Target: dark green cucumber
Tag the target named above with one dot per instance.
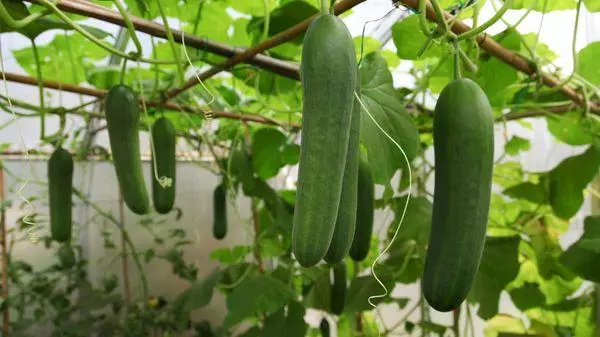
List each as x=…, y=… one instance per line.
x=365, y=207
x=324, y=328
x=60, y=187
x=338, y=288
x=329, y=74
x=163, y=139
x=463, y=134
x=122, y=121
x=346, y=219
x=220, y=212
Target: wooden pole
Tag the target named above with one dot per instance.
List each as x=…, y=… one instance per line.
x=4, y=243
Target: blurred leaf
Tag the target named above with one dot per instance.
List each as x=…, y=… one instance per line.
x=517, y=144
x=282, y=323
x=544, y=5
x=385, y=105
x=363, y=287
x=592, y=5
x=409, y=39
x=230, y=255
x=527, y=296
x=198, y=295
x=256, y=295
x=267, y=144
x=566, y=188
x=536, y=193
x=499, y=266
x=572, y=128
x=588, y=66
x=585, y=252
x=104, y=77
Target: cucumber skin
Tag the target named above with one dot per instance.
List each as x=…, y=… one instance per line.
x=464, y=156
x=338, y=288
x=220, y=212
x=122, y=119
x=329, y=73
x=60, y=188
x=365, y=209
x=164, y=140
x=345, y=222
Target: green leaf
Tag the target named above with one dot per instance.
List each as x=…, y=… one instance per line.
x=588, y=65
x=361, y=288
x=282, y=323
x=517, y=144
x=496, y=77
x=409, y=39
x=499, y=266
x=585, y=253
x=254, y=8
x=55, y=55
x=104, y=77
x=528, y=296
x=592, y=5
x=569, y=179
x=256, y=295
x=198, y=295
x=544, y=6
x=230, y=255
x=572, y=128
x=536, y=193
x=385, y=105
x=319, y=295
x=266, y=152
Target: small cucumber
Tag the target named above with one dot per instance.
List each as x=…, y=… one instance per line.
x=329, y=73
x=122, y=121
x=364, y=211
x=164, y=139
x=60, y=188
x=338, y=288
x=463, y=135
x=220, y=212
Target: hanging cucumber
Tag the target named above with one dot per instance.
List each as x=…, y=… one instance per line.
x=122, y=119
x=338, y=288
x=60, y=188
x=329, y=74
x=463, y=136
x=220, y=212
x=345, y=223
x=364, y=211
x=164, y=139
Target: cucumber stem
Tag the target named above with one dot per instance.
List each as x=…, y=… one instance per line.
x=476, y=31
x=325, y=7
x=457, y=72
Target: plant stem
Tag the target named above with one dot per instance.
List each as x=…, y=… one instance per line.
x=476, y=31
x=17, y=24
x=130, y=27
x=267, y=20
x=423, y=18
x=38, y=68
x=573, y=52
x=171, y=40
x=457, y=72
x=256, y=225
x=324, y=7
x=440, y=15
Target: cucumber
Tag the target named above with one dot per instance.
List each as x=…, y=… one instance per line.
x=60, y=188
x=324, y=328
x=220, y=212
x=329, y=74
x=345, y=223
x=338, y=288
x=164, y=139
x=463, y=136
x=122, y=120
x=365, y=207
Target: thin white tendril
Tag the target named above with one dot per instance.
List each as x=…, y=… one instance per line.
x=207, y=114
x=164, y=181
x=27, y=216
x=408, y=169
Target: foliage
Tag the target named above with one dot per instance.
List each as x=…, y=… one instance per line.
x=265, y=290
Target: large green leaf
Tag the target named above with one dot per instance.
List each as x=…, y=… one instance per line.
x=588, y=62
x=517, y=144
x=364, y=287
x=584, y=255
x=536, y=193
x=499, y=266
x=385, y=105
x=286, y=323
x=527, y=296
x=592, y=5
x=198, y=295
x=569, y=179
x=408, y=39
x=544, y=5
x=256, y=295
x=55, y=55
x=267, y=144
x=572, y=128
